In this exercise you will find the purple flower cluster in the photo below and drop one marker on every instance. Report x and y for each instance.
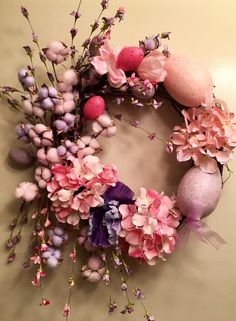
(65, 123)
(51, 256)
(104, 222)
(48, 97)
(25, 78)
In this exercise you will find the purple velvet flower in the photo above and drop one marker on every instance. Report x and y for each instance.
(120, 193)
(104, 222)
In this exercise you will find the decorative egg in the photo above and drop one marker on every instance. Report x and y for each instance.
(199, 186)
(188, 82)
(129, 58)
(94, 107)
(21, 157)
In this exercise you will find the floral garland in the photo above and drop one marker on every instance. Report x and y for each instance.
(80, 201)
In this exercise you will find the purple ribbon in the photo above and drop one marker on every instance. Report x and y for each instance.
(195, 224)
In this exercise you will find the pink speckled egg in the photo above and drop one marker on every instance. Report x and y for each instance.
(94, 107)
(129, 58)
(187, 81)
(199, 186)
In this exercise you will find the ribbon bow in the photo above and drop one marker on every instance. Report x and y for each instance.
(195, 224)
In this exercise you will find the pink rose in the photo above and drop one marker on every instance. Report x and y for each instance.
(106, 63)
(152, 67)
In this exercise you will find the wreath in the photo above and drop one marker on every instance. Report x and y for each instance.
(76, 201)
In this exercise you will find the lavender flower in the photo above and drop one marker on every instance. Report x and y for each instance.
(124, 287)
(104, 4)
(73, 32)
(120, 13)
(112, 306)
(139, 294)
(52, 257)
(75, 14)
(128, 309)
(135, 123)
(149, 317)
(106, 278)
(25, 12)
(150, 43)
(166, 35)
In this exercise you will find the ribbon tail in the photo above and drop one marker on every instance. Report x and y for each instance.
(206, 234)
(183, 235)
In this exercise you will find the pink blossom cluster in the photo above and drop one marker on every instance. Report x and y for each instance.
(78, 186)
(149, 225)
(150, 68)
(209, 135)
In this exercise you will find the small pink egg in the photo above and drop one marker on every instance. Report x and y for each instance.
(94, 107)
(199, 186)
(129, 58)
(188, 82)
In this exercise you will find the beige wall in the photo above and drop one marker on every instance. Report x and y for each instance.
(197, 283)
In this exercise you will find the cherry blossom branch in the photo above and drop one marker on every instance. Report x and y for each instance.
(107, 280)
(136, 124)
(136, 291)
(73, 30)
(67, 308)
(42, 57)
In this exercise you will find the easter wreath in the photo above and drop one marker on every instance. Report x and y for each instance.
(79, 201)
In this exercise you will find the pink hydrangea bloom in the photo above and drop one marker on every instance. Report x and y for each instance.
(149, 226)
(77, 187)
(27, 191)
(209, 134)
(152, 67)
(106, 63)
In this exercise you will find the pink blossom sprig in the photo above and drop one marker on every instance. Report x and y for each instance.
(35, 39)
(73, 31)
(112, 306)
(14, 239)
(126, 277)
(85, 52)
(71, 283)
(29, 53)
(6, 92)
(136, 124)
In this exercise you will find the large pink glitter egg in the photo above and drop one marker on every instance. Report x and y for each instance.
(201, 187)
(187, 81)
